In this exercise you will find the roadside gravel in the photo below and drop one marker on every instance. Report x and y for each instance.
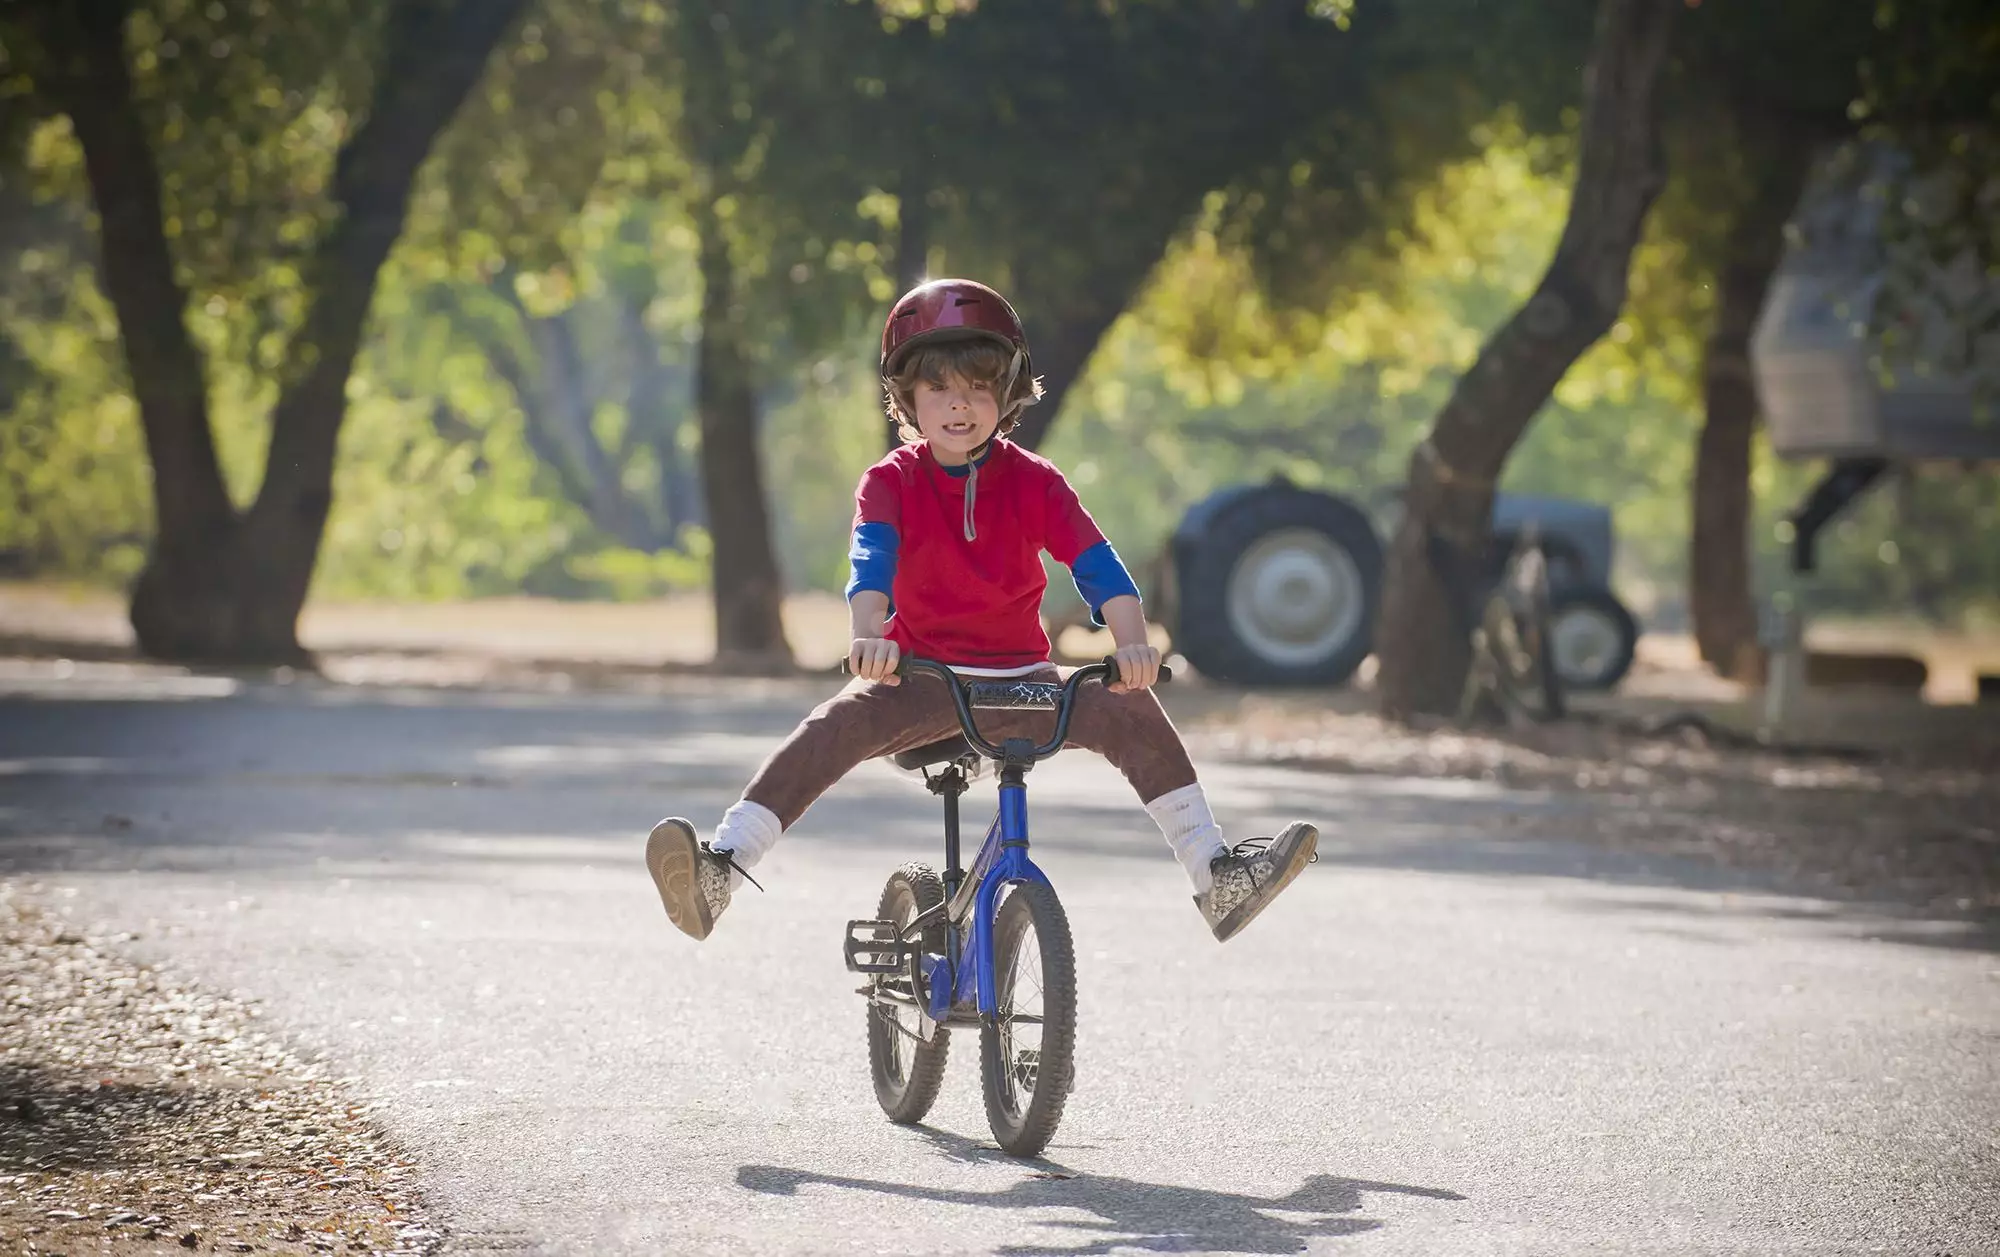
(141, 1115)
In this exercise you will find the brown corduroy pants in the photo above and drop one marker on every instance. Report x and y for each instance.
(869, 719)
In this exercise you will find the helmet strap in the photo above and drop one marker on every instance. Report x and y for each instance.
(1013, 377)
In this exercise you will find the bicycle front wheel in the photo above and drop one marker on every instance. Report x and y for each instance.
(1027, 1054)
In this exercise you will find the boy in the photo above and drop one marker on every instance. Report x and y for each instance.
(948, 535)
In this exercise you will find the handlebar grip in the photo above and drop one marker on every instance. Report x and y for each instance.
(902, 667)
(1111, 663)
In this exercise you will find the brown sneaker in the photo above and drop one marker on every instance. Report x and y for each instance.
(1250, 874)
(692, 879)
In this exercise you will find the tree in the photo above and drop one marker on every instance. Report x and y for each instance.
(546, 239)
(565, 366)
(1775, 155)
(1055, 154)
(715, 123)
(1744, 140)
(221, 583)
(1915, 75)
(739, 156)
(1056, 151)
(1424, 634)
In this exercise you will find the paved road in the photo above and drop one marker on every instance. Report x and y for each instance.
(1457, 1034)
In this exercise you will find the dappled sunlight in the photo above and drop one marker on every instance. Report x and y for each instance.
(702, 749)
(61, 766)
(429, 446)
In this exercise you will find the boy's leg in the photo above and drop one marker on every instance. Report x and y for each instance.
(1133, 732)
(695, 879)
(862, 722)
(1232, 885)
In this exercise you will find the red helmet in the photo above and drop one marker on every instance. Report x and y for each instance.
(950, 309)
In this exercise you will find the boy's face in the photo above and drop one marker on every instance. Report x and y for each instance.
(956, 417)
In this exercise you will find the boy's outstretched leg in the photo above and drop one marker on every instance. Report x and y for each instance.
(864, 720)
(693, 878)
(1232, 884)
(1246, 878)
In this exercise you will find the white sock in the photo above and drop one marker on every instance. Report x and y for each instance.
(1190, 829)
(748, 831)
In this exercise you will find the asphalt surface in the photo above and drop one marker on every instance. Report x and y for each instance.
(1460, 1032)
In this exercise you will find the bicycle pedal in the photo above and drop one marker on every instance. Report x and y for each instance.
(874, 947)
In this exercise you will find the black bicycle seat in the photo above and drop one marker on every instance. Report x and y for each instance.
(941, 752)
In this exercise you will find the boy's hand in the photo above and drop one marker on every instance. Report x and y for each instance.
(1138, 668)
(874, 659)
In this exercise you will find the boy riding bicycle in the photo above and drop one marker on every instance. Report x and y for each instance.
(948, 535)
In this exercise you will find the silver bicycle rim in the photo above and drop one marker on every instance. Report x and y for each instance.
(1021, 1042)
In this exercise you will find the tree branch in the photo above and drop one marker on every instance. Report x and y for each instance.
(535, 425)
(436, 52)
(569, 409)
(1426, 620)
(652, 418)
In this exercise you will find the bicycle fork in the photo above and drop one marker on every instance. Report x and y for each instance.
(963, 977)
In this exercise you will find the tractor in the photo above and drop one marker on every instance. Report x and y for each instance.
(1277, 585)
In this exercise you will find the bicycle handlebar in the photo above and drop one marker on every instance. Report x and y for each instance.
(1104, 669)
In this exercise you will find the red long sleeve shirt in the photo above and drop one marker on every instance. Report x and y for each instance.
(973, 602)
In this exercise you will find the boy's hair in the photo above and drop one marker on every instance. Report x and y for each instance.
(980, 361)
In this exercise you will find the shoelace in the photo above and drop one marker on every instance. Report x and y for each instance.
(729, 857)
(1257, 846)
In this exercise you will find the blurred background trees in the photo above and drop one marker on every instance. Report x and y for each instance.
(584, 295)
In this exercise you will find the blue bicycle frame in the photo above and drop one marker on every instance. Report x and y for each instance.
(963, 979)
(1002, 861)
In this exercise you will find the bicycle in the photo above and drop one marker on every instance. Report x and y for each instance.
(960, 950)
(1513, 670)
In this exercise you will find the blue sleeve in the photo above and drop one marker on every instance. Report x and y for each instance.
(1101, 576)
(873, 559)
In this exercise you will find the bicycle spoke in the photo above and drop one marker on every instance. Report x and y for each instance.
(1021, 1000)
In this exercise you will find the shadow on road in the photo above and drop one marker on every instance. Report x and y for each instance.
(1981, 935)
(280, 780)
(1126, 1213)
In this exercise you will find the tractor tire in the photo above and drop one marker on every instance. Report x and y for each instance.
(1279, 588)
(1593, 637)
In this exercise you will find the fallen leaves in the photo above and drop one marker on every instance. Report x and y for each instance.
(1909, 827)
(136, 1112)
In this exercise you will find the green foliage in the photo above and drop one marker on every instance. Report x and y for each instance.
(422, 517)
(1160, 427)
(1406, 211)
(75, 498)
(1920, 545)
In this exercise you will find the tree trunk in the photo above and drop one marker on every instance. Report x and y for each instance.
(435, 53)
(216, 586)
(1424, 629)
(1777, 159)
(1060, 359)
(1067, 315)
(87, 78)
(749, 593)
(224, 596)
